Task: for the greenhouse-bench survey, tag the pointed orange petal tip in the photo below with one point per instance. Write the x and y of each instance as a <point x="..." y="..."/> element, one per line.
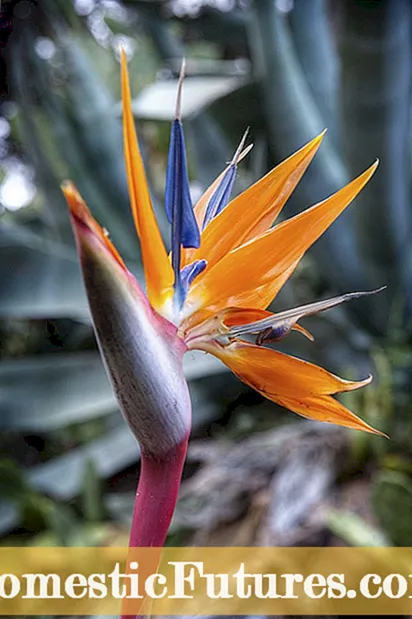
<point x="77" y="206"/>
<point x="364" y="382"/>
<point x="304" y="332"/>
<point x="369" y="172"/>
<point x="300" y="386"/>
<point x="375" y="431"/>
<point x="123" y="56"/>
<point x="362" y="425"/>
<point x="81" y="216"/>
<point x="318" y="139"/>
<point x="351" y="385"/>
<point x="313" y="145"/>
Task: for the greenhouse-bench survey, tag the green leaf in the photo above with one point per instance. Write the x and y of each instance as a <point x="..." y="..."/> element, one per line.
<point x="120" y="507"/>
<point x="9" y="516"/>
<point x="62" y="523"/>
<point x="13" y="485"/>
<point x="91" y="496"/>
<point x="353" y="529"/>
<point x="62" y="477"/>
<point x="392" y="502"/>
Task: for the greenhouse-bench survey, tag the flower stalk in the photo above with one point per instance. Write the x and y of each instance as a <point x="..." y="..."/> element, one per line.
<point x="156" y="496"/>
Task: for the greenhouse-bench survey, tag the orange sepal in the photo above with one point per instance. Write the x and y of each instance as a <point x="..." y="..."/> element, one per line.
<point x="253" y="211"/>
<point x="158" y="271"/>
<point x="252" y="275"/>
<point x="82" y="216"/>
<point x="296" y="384"/>
<point x="235" y="316"/>
<point x="326" y="409"/>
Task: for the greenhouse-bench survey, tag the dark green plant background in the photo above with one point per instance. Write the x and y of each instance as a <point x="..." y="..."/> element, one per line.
<point x="286" y="69"/>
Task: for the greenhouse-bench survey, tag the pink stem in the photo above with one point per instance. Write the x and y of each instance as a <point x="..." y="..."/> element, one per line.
<point x="156" y="498"/>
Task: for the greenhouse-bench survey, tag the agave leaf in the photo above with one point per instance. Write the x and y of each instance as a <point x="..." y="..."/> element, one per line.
<point x="62" y="477"/>
<point x="376" y="97"/>
<point x="167" y="45"/>
<point x="214" y="25"/>
<point x="16" y="494"/>
<point x="96" y="127"/>
<point x="59" y="11"/>
<point x="158" y="101"/>
<point x="316" y="50"/>
<point x="39" y="278"/>
<point x="81" y="390"/>
<point x="46" y="279"/>
<point x="92" y="156"/>
<point x="113" y="452"/>
<point x="292" y="119"/>
<point x="33" y="132"/>
<point x="214" y="134"/>
<point x="9" y="516"/>
<point x="209" y="147"/>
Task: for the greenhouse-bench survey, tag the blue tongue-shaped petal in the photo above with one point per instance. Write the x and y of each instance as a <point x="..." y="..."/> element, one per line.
<point x="220" y="199"/>
<point x="178" y="204"/>
<point x="190" y="272"/>
<point x="179" y="208"/>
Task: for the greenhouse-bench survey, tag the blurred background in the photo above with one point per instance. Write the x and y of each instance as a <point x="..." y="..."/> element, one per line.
<point x="255" y="473"/>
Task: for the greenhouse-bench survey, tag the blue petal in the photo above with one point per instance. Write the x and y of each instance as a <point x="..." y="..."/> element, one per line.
<point x="178" y="204"/>
<point x="189" y="273"/>
<point x="221" y="197"/>
<point x="179" y="207"/>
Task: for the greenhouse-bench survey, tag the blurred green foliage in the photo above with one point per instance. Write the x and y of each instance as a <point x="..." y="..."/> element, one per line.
<point x="285" y="73"/>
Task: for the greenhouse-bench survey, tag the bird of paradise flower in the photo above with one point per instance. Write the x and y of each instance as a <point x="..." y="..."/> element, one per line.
<point x="226" y="265"/>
